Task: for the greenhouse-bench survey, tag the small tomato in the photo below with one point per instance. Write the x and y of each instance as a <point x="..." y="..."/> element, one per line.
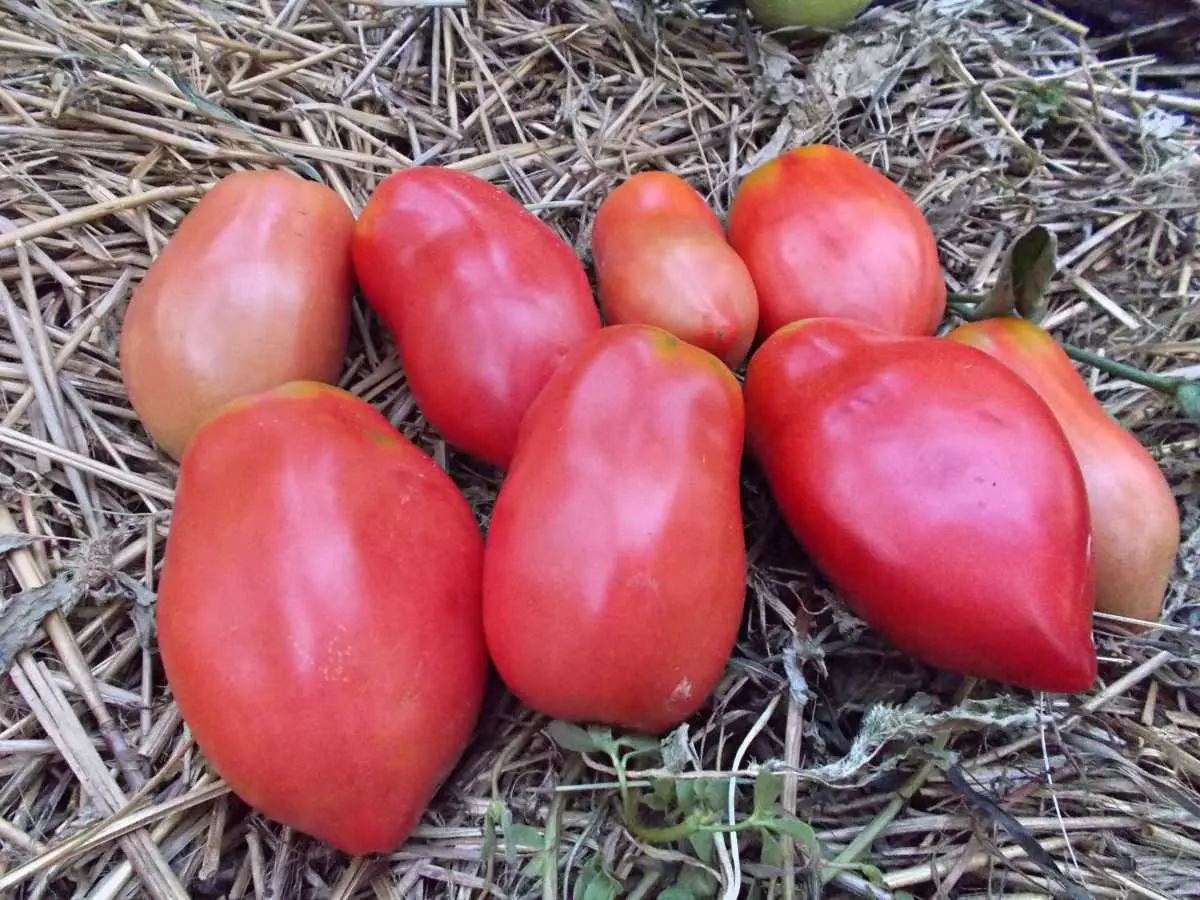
<point x="252" y="291"/>
<point x="614" y="575"/>
<point x="481" y="297"/>
<point x="319" y="614"/>
<point x="936" y="491"/>
<point x="661" y="259"/>
<point x="825" y="234"/>
<point x="1134" y="517"/>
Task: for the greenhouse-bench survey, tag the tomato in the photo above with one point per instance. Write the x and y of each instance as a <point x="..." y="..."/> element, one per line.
<point x="936" y="491"/>
<point x="825" y="234"/>
<point x="319" y="614"/>
<point x="661" y="259"/>
<point x="614" y="577"/>
<point x="1134" y="517"/>
<point x="481" y="297"/>
<point x="828" y="14"/>
<point x="253" y="290"/>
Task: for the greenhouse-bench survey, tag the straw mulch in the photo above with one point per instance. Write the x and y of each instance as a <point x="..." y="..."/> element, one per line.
<point x="114" y="117"/>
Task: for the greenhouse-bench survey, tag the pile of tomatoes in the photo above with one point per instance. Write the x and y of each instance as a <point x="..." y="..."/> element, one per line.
<point x="329" y="609"/>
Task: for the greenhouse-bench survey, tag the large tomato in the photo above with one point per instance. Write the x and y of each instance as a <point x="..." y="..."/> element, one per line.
<point x="661" y="258"/>
<point x="1134" y="517"/>
<point x="481" y="297"/>
<point x="319" y="614"/>
<point x="252" y="291"/>
<point x="825" y="234"/>
<point x="614" y="576"/>
<point x="937" y="491"/>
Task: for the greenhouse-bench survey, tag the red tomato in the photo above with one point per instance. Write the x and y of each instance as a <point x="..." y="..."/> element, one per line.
<point x="825" y="234"/>
<point x="252" y="291"/>
<point x="319" y="614"/>
<point x="1134" y="517"/>
<point x="615" y="570"/>
<point x="936" y="491"/>
<point x="661" y="258"/>
<point x="481" y="297"/>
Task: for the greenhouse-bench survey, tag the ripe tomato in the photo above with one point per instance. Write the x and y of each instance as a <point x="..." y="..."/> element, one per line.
<point x="319" y="614"/>
<point x="614" y="576"/>
<point x="481" y="297"/>
<point x="1134" y="517"/>
<point x="829" y="14"/>
<point x="936" y="491"/>
<point x="661" y="258"/>
<point x="252" y="291"/>
<point x="825" y="234"/>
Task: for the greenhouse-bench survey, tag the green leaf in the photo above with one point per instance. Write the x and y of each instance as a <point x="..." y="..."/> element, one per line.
<point x="685" y="793"/>
<point x="535" y="867"/>
<point x="570" y="736"/>
<point x="506" y="827"/>
<point x="772" y="850"/>
<point x="663" y="796"/>
<point x="602" y="886"/>
<point x="713" y="793"/>
<point x="703" y="845"/>
<point x="801" y="832"/>
<point x="490" y="817"/>
<point x="767" y="788"/>
<point x="525" y="836"/>
<point x="1028" y="268"/>
<point x="1187" y="398"/>
<point x="872" y="873"/>
<point x="587" y="874"/>
<point x="639" y="743"/>
<point x="675" y="892"/>
<point x="695" y="883"/>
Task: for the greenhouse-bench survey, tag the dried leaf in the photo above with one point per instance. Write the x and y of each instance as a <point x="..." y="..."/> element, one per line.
<point x="144" y="601"/>
<point x="849" y="69"/>
<point x="15" y="540"/>
<point x="1028" y="268"/>
<point x="884" y="724"/>
<point x="24" y="611"/>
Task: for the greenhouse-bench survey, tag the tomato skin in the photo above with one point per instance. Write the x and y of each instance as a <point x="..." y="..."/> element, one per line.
<point x="252" y="291"/>
<point x="937" y="491"/>
<point x="481" y="297"/>
<point x="828" y="14"/>
<point x="614" y="576"/>
<point x="661" y="259"/>
<point x="1134" y="517"/>
<point x="825" y="234"/>
<point x="319" y="614"/>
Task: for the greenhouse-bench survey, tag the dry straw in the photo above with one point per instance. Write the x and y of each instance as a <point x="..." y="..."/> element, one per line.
<point x="115" y="116"/>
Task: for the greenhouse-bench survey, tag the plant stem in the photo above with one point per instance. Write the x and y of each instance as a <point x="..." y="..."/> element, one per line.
<point x="906" y="792"/>
<point x="1185" y="392"/>
<point x="1123" y="370"/>
<point x="649" y="834"/>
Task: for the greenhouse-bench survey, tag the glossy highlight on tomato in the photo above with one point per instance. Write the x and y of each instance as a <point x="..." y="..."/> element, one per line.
<point x="482" y="298"/>
<point x="319" y="614"/>
<point x="824" y="234"/>
<point x="614" y="577"/>
<point x="936" y="491"/>
<point x="661" y="259"/>
<point x="1134" y="516"/>
<point x="253" y="290"/>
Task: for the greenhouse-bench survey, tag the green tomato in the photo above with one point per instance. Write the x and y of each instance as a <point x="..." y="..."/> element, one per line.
<point x="830" y="14"/>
